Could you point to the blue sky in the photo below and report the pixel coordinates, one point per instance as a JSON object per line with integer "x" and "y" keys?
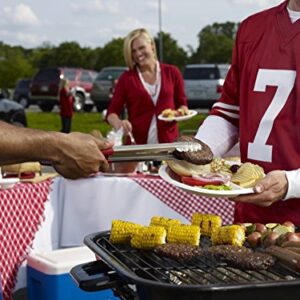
{"x": 95, "y": 22}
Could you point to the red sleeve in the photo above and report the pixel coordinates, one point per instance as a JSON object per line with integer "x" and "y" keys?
{"x": 63, "y": 93}
{"x": 179, "y": 94}
{"x": 118, "y": 100}
{"x": 229, "y": 101}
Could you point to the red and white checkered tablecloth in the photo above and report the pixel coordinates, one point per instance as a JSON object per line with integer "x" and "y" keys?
{"x": 21, "y": 213}
{"x": 186, "y": 203}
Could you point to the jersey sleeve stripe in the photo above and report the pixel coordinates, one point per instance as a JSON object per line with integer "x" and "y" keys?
{"x": 229, "y": 114}
{"x": 226, "y": 106}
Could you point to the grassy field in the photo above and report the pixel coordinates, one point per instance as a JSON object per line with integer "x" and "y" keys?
{"x": 86, "y": 122}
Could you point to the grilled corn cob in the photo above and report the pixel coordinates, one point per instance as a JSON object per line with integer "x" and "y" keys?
{"x": 207, "y": 223}
{"x": 147, "y": 237}
{"x": 184, "y": 234}
{"x": 230, "y": 235}
{"x": 164, "y": 222}
{"x": 122, "y": 231}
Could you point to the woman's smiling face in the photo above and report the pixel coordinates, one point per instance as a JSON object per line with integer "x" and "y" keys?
{"x": 142, "y": 51}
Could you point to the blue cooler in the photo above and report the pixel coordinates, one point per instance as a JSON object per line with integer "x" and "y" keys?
{"x": 0, "y": 288}
{"x": 48, "y": 276}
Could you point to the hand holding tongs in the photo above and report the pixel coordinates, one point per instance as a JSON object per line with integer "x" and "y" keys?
{"x": 148, "y": 152}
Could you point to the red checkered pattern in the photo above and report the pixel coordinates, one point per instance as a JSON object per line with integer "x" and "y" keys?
{"x": 21, "y": 213}
{"x": 186, "y": 203}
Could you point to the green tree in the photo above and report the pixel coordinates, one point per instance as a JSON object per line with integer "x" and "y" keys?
{"x": 14, "y": 65}
{"x": 40, "y": 57}
{"x": 110, "y": 55}
{"x": 68, "y": 54}
{"x": 172, "y": 53}
{"x": 215, "y": 43}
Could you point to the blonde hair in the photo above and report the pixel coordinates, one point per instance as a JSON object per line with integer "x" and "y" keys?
{"x": 131, "y": 36}
{"x": 63, "y": 83}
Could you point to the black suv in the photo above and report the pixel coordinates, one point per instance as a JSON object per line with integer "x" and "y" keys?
{"x": 21, "y": 93}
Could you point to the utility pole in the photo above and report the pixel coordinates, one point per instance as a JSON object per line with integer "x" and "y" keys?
{"x": 160, "y": 32}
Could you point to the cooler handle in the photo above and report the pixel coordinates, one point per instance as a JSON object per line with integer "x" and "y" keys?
{"x": 94, "y": 276}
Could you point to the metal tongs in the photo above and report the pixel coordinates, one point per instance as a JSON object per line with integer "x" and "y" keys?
{"x": 149, "y": 152}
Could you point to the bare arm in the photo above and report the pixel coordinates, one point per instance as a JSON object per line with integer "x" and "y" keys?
{"x": 72, "y": 155}
{"x": 117, "y": 123}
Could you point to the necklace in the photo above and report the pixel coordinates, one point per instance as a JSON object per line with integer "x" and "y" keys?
{"x": 152, "y": 89}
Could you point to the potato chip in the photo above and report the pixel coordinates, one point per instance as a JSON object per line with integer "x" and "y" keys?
{"x": 248, "y": 174}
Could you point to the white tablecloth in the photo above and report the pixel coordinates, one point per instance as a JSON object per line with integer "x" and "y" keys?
{"x": 79, "y": 207}
{"x": 89, "y": 205}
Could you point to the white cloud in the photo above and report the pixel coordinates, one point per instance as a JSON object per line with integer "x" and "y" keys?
{"x": 259, "y": 3}
{"x": 96, "y": 6}
{"x": 4, "y": 33}
{"x": 28, "y": 38}
{"x": 128, "y": 24}
{"x": 21, "y": 14}
{"x": 154, "y": 6}
{"x": 104, "y": 32}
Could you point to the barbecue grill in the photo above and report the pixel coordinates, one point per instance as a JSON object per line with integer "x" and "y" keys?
{"x": 136, "y": 274}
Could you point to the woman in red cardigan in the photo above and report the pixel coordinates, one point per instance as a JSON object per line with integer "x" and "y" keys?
{"x": 66, "y": 106}
{"x": 145, "y": 90}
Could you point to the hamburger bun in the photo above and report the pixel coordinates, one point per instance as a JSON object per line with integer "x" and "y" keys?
{"x": 184, "y": 168}
{"x": 17, "y": 169}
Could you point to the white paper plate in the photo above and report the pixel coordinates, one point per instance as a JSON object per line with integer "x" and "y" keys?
{"x": 191, "y": 114}
{"x": 236, "y": 190}
{"x": 7, "y": 183}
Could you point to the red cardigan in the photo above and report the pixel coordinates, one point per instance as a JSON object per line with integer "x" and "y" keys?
{"x": 130, "y": 93}
{"x": 66, "y": 103}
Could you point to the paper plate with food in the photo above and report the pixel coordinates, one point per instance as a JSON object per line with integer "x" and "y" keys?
{"x": 180, "y": 114}
{"x": 214, "y": 177}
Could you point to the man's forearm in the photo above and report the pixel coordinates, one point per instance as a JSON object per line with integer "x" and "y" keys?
{"x": 24, "y": 144}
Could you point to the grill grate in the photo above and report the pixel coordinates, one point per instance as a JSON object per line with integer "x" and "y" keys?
{"x": 200, "y": 271}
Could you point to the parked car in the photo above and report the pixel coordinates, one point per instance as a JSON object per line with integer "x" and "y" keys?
{"x": 204, "y": 83}
{"x": 12, "y": 112}
{"x": 45, "y": 87}
{"x": 103, "y": 84}
{"x": 21, "y": 93}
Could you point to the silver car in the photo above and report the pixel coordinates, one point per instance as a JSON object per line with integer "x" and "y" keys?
{"x": 203, "y": 83}
{"x": 103, "y": 84}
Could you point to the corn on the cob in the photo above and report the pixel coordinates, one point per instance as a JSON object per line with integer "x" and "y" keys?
{"x": 147, "y": 237}
{"x": 163, "y": 222}
{"x": 184, "y": 234}
{"x": 230, "y": 235}
{"x": 207, "y": 222}
{"x": 122, "y": 231}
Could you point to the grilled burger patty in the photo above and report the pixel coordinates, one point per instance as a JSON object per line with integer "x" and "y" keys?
{"x": 241, "y": 257}
{"x": 178, "y": 251}
{"x": 251, "y": 261}
{"x": 200, "y": 157}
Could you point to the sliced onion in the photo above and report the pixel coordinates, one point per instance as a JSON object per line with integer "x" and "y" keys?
{"x": 211, "y": 177}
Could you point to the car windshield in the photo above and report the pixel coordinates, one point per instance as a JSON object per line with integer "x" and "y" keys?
{"x": 109, "y": 74}
{"x": 224, "y": 71}
{"x": 70, "y": 74}
{"x": 47, "y": 75}
{"x": 201, "y": 73}
{"x": 23, "y": 83}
